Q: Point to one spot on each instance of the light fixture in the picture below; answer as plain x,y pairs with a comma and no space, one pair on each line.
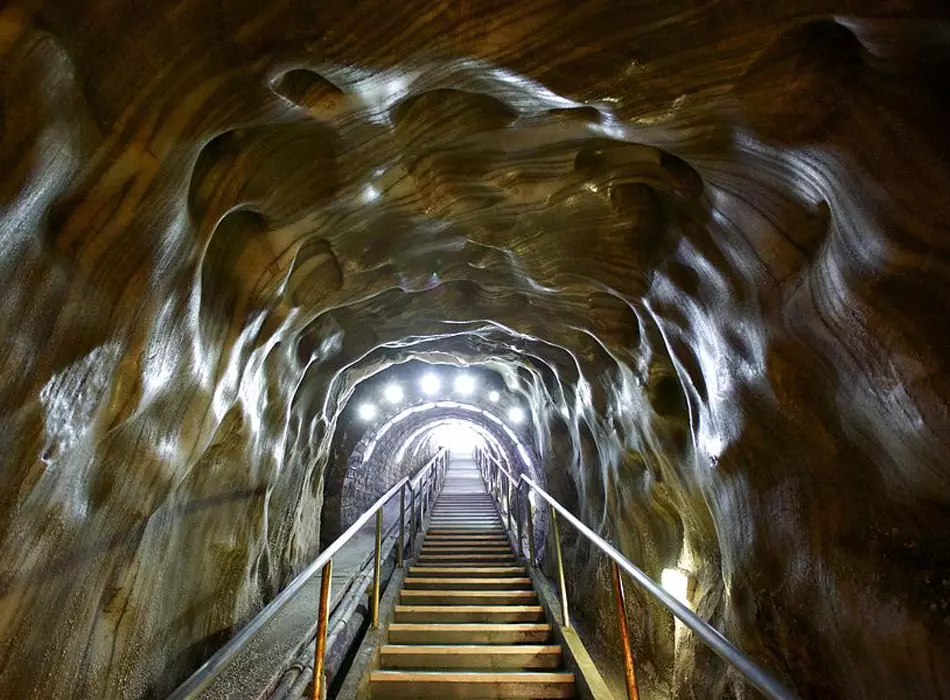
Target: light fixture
366,411
393,393
429,383
494,396
465,384
516,415
677,583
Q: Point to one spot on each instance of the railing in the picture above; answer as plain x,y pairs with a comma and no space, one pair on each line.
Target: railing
500,484
427,483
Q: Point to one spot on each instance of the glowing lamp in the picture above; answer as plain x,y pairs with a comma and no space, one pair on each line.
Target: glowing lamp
429,384
366,411
393,393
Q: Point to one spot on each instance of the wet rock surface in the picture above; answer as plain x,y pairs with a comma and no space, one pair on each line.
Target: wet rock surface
706,243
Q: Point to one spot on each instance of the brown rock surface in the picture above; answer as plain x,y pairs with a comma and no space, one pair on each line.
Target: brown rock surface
713,235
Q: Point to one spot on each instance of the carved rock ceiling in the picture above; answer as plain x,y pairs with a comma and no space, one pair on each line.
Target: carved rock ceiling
706,242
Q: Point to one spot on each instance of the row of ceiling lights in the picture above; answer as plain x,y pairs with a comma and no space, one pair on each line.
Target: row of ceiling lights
430,384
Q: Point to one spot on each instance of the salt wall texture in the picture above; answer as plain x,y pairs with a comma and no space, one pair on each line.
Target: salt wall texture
714,236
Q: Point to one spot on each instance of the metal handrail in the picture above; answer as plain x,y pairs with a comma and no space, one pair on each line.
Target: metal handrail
206,673
506,502
735,657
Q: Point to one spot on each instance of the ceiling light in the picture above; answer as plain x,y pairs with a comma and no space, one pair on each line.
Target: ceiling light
393,393
516,415
429,384
465,384
494,396
366,411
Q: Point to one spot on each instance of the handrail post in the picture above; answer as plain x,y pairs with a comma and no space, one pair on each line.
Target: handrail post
423,498
560,567
531,546
323,618
376,566
402,527
628,671
412,523
508,503
520,516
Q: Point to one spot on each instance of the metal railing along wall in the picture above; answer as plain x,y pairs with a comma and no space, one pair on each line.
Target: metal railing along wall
426,484
501,484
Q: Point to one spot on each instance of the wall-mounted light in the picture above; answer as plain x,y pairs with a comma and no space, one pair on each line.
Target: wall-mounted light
393,393
465,384
516,415
366,411
430,383
679,584
494,396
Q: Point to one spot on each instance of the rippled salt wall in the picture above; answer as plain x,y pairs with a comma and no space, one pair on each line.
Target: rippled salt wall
708,242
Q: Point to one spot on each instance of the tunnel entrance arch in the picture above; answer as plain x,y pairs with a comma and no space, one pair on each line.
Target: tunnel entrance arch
401,445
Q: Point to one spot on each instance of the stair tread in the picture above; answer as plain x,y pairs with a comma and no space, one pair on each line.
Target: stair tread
474,581
468,569
482,677
463,594
474,548
471,649
471,626
469,608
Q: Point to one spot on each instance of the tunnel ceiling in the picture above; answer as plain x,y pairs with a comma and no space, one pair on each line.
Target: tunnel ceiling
706,244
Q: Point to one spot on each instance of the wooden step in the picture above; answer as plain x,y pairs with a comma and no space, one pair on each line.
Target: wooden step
464,520
462,528
489,614
474,559
480,656
466,556
468,584
449,539
465,508
466,512
480,548
465,553
469,633
461,571
435,597
485,686
465,543
465,503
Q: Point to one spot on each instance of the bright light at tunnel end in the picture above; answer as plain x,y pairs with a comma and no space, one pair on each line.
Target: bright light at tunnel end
458,437
393,393
429,383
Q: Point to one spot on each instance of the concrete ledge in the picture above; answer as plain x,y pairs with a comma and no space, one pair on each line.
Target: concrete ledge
589,682
356,684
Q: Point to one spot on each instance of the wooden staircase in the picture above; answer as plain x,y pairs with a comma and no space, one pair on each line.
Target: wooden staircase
468,623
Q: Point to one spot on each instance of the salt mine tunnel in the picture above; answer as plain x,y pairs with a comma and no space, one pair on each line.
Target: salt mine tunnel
683,268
